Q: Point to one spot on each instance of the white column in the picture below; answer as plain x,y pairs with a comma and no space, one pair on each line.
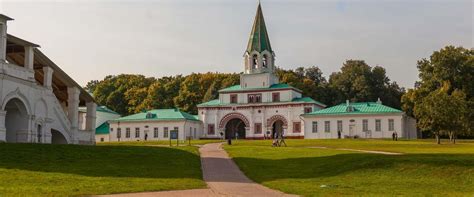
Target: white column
3,130
29,57
90,119
48,77
73,110
3,39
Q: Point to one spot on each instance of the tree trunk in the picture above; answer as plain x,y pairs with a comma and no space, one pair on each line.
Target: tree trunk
454,139
438,141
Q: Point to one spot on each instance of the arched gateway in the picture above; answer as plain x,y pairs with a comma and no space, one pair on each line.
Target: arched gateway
16,121
234,125
277,125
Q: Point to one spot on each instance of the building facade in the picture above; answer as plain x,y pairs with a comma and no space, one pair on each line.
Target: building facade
38,101
259,107
155,125
359,120
103,115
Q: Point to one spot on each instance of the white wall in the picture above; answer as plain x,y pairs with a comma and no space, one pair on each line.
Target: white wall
105,137
42,105
183,129
404,130
291,114
242,97
101,117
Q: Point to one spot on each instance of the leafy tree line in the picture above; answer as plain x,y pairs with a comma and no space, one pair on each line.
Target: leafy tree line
128,94
443,100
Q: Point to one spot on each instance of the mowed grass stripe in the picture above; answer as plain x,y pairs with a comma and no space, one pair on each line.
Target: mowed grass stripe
42,170
326,172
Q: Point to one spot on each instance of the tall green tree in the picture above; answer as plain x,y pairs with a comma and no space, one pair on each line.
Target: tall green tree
359,82
450,65
442,113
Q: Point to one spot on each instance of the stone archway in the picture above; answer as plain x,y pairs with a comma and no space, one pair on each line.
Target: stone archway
235,128
233,123
277,124
275,118
16,121
231,116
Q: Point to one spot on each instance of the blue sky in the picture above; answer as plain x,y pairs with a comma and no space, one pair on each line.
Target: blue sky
91,39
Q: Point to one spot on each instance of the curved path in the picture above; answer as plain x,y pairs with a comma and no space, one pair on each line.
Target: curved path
222,176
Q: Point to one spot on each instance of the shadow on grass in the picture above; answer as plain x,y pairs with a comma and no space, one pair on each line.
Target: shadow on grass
263,170
103,161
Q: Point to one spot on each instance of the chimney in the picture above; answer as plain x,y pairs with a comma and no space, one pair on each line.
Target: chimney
347,103
3,37
379,101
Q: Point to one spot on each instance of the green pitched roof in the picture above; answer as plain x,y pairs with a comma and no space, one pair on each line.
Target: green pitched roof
296,100
157,115
274,87
357,108
259,40
102,129
308,100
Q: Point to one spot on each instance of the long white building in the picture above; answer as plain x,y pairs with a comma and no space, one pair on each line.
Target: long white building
38,101
154,125
359,120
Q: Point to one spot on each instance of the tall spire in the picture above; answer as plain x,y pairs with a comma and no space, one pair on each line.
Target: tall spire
259,40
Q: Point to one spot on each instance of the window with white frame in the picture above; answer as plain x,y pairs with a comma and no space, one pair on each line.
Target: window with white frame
378,125
137,132
365,125
315,127
327,126
339,126
391,125
127,132
155,132
119,132
165,132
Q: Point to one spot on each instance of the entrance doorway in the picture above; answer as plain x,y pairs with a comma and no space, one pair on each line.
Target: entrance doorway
57,137
351,130
235,128
16,121
277,129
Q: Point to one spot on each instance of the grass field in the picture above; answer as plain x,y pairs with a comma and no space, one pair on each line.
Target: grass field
60,170
424,169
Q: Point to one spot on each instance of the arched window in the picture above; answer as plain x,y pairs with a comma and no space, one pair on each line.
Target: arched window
264,61
38,133
254,61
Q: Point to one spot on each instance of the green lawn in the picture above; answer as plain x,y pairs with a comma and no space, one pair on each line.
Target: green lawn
60,170
424,169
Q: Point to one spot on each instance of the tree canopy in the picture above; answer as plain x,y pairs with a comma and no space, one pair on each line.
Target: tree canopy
446,88
128,94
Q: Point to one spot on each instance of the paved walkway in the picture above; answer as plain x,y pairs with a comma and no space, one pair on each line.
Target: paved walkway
222,176
357,150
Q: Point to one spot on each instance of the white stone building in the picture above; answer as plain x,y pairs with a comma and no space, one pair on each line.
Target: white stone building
359,120
156,125
260,106
103,115
38,101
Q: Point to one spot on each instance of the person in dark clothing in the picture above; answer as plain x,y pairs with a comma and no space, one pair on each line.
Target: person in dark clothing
146,136
393,136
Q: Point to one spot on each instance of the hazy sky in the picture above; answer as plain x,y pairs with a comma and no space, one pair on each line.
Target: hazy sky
91,39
